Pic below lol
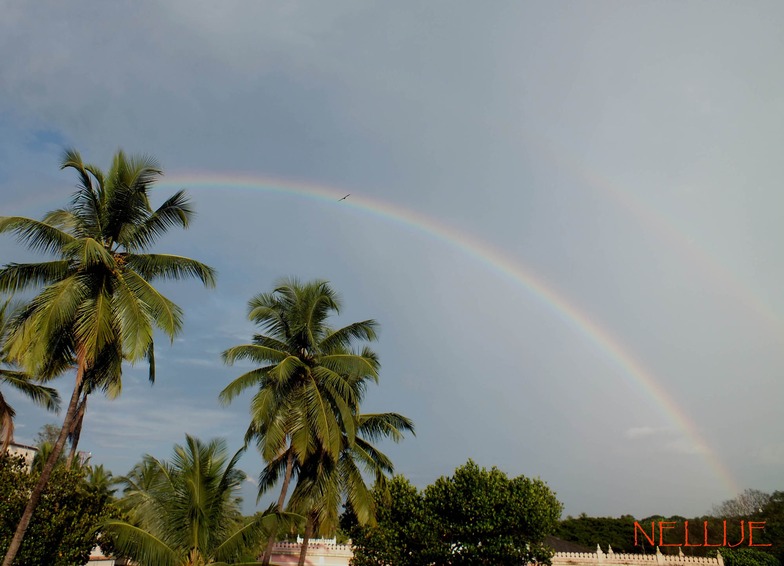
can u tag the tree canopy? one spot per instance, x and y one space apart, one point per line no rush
62 532
186 511
474 517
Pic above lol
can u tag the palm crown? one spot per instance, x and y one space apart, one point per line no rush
97 305
186 512
309 379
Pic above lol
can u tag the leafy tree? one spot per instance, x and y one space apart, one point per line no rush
186 512
48 433
746 557
773 515
746 504
305 403
617 532
401 534
483 517
475 517
62 532
96 306
21 381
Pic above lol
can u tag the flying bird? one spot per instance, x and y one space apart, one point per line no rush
345 197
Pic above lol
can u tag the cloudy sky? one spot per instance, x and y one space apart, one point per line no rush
564 216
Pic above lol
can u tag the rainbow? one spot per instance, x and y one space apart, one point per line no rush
677 240
494 259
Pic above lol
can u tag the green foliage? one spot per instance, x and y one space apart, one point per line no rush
186 511
619 532
94 305
62 532
22 382
401 533
305 416
773 515
590 531
475 517
484 517
307 377
746 557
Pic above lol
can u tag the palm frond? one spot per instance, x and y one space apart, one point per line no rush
254 353
350 364
134 318
166 266
95 325
16 277
67 221
252 533
344 337
89 253
36 235
240 384
377 426
45 323
144 547
175 212
165 314
45 396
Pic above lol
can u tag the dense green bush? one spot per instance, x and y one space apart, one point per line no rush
62 531
475 517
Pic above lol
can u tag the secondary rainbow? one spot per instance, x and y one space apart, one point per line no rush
487 255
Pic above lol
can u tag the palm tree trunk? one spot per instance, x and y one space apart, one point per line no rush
265 560
76 431
35 496
6 423
303 552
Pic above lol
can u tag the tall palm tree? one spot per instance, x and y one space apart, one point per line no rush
186 512
323 483
305 403
22 382
96 306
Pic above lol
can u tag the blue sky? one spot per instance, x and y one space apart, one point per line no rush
623 155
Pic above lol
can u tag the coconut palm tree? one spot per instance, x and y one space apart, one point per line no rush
305 402
186 512
324 483
22 382
96 306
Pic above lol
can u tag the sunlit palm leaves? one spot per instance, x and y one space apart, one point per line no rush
307 375
44 396
98 290
95 304
309 380
186 511
324 483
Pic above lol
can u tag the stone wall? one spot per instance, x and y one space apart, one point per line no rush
321 552
611 558
327 553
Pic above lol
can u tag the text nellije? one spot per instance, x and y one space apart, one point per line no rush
701 539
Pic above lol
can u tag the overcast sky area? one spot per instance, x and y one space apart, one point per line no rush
565 216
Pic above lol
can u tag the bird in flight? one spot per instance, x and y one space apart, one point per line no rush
345 197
